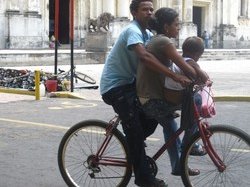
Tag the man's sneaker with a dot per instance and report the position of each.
(155, 183)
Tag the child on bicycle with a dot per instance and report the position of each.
(192, 48)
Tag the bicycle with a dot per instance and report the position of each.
(76, 75)
(95, 153)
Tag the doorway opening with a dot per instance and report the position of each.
(197, 19)
(63, 33)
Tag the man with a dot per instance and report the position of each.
(118, 86)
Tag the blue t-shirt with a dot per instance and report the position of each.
(121, 64)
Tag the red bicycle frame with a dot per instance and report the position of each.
(104, 160)
(205, 135)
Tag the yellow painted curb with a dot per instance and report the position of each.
(17, 91)
(232, 98)
(65, 95)
(77, 96)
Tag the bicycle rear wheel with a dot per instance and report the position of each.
(85, 78)
(233, 147)
(78, 164)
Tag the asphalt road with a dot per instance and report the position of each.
(31, 131)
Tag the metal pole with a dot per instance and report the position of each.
(57, 3)
(72, 43)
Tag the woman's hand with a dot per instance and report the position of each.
(183, 80)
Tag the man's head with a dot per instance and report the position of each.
(142, 11)
(134, 5)
(193, 47)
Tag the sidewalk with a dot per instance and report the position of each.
(231, 81)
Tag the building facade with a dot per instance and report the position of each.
(29, 23)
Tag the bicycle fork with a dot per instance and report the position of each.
(205, 135)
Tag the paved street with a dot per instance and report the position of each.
(31, 130)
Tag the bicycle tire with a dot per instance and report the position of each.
(85, 78)
(233, 147)
(81, 142)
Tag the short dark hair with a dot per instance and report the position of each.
(193, 44)
(134, 5)
(162, 16)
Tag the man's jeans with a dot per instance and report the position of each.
(125, 104)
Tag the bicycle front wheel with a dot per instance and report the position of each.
(85, 78)
(232, 146)
(77, 159)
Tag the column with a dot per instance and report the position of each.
(3, 22)
(95, 8)
(109, 6)
(177, 5)
(33, 6)
(248, 8)
(13, 5)
(164, 3)
(187, 15)
(123, 8)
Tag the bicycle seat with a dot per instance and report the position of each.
(61, 71)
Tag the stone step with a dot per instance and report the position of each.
(47, 56)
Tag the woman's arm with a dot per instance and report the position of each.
(171, 53)
(153, 63)
(202, 75)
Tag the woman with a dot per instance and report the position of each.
(150, 84)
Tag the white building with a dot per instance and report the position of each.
(25, 23)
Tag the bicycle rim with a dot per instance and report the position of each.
(233, 147)
(85, 78)
(77, 147)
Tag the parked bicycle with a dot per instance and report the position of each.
(78, 78)
(95, 153)
(64, 79)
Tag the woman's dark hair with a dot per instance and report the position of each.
(162, 16)
(193, 44)
(134, 5)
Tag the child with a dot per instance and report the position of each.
(193, 48)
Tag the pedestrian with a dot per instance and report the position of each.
(150, 84)
(117, 86)
(205, 36)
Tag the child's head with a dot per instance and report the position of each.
(193, 47)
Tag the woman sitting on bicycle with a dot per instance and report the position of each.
(150, 84)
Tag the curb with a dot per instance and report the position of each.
(17, 91)
(232, 98)
(217, 98)
(77, 96)
(65, 95)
